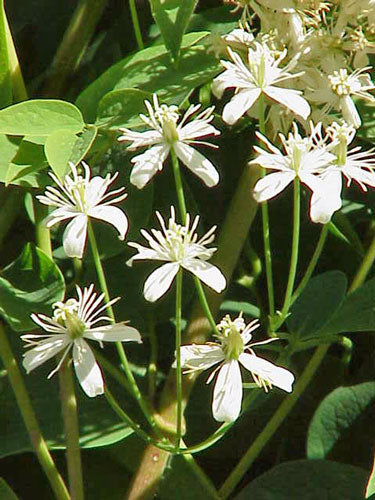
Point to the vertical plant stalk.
(27, 412)
(75, 40)
(266, 225)
(70, 416)
(232, 237)
(67, 393)
(178, 357)
(294, 256)
(135, 21)
(364, 268)
(312, 263)
(120, 349)
(18, 85)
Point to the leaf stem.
(364, 268)
(18, 85)
(266, 225)
(70, 416)
(29, 418)
(120, 349)
(294, 256)
(75, 40)
(312, 263)
(135, 21)
(178, 357)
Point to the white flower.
(303, 158)
(234, 349)
(167, 134)
(353, 164)
(79, 198)
(72, 323)
(179, 246)
(336, 90)
(260, 75)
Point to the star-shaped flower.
(73, 322)
(166, 134)
(79, 198)
(234, 349)
(304, 158)
(178, 246)
(261, 75)
(353, 164)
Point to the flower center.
(176, 237)
(296, 146)
(342, 134)
(77, 190)
(257, 64)
(66, 315)
(167, 117)
(230, 336)
(339, 81)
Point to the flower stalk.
(178, 357)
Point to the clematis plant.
(72, 322)
(79, 198)
(169, 134)
(178, 245)
(232, 350)
(261, 75)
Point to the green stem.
(179, 186)
(364, 268)
(273, 424)
(18, 85)
(178, 357)
(135, 21)
(204, 303)
(312, 263)
(133, 425)
(294, 256)
(76, 38)
(67, 394)
(29, 419)
(120, 349)
(210, 491)
(70, 417)
(265, 223)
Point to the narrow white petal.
(239, 104)
(86, 368)
(45, 349)
(226, 403)
(272, 184)
(59, 215)
(119, 332)
(200, 357)
(160, 281)
(95, 190)
(275, 375)
(147, 164)
(291, 99)
(206, 272)
(197, 163)
(112, 215)
(349, 111)
(74, 237)
(326, 197)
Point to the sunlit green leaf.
(40, 117)
(27, 167)
(5, 79)
(59, 148)
(6, 493)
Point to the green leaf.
(172, 17)
(98, 423)
(5, 78)
(6, 493)
(341, 410)
(32, 283)
(321, 297)
(150, 70)
(83, 144)
(40, 117)
(121, 108)
(8, 149)
(27, 166)
(357, 313)
(307, 480)
(370, 488)
(58, 149)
